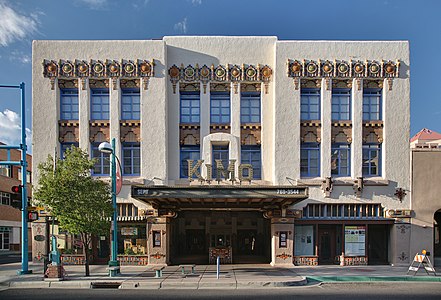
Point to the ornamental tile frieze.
(339, 69)
(98, 69)
(228, 73)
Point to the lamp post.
(114, 268)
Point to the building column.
(158, 241)
(235, 110)
(115, 104)
(282, 245)
(84, 113)
(357, 128)
(326, 127)
(204, 112)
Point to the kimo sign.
(228, 173)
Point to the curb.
(348, 279)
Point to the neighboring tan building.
(10, 217)
(309, 130)
(426, 191)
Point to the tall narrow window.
(340, 159)
(250, 107)
(341, 104)
(102, 163)
(99, 104)
(372, 104)
(69, 104)
(220, 107)
(130, 104)
(188, 152)
(6, 171)
(371, 159)
(310, 160)
(220, 152)
(310, 104)
(251, 155)
(190, 107)
(131, 159)
(64, 147)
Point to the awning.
(220, 196)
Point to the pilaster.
(357, 128)
(326, 127)
(84, 113)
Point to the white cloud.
(15, 26)
(10, 129)
(196, 2)
(181, 26)
(95, 4)
(20, 57)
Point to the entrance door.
(326, 239)
(377, 243)
(246, 242)
(195, 241)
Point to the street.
(359, 291)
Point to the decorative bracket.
(400, 193)
(358, 186)
(327, 186)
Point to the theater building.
(253, 149)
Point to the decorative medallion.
(358, 69)
(220, 74)
(82, 68)
(343, 69)
(189, 73)
(66, 69)
(98, 69)
(251, 74)
(129, 69)
(327, 68)
(113, 68)
(235, 73)
(311, 69)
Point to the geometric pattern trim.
(343, 69)
(107, 68)
(220, 73)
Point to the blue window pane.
(131, 158)
(340, 159)
(310, 160)
(100, 104)
(371, 160)
(310, 104)
(372, 99)
(130, 99)
(220, 152)
(341, 104)
(68, 104)
(252, 155)
(102, 161)
(188, 152)
(189, 107)
(250, 107)
(219, 107)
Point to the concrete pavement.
(250, 276)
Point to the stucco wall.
(426, 196)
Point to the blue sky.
(418, 21)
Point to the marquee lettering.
(221, 172)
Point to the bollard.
(217, 267)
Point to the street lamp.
(114, 268)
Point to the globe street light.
(114, 268)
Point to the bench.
(187, 266)
(158, 271)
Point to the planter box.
(133, 260)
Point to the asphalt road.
(359, 291)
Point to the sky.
(22, 21)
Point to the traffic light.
(16, 196)
(32, 216)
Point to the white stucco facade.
(281, 129)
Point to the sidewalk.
(231, 276)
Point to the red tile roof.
(426, 134)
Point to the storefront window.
(135, 239)
(304, 240)
(355, 240)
